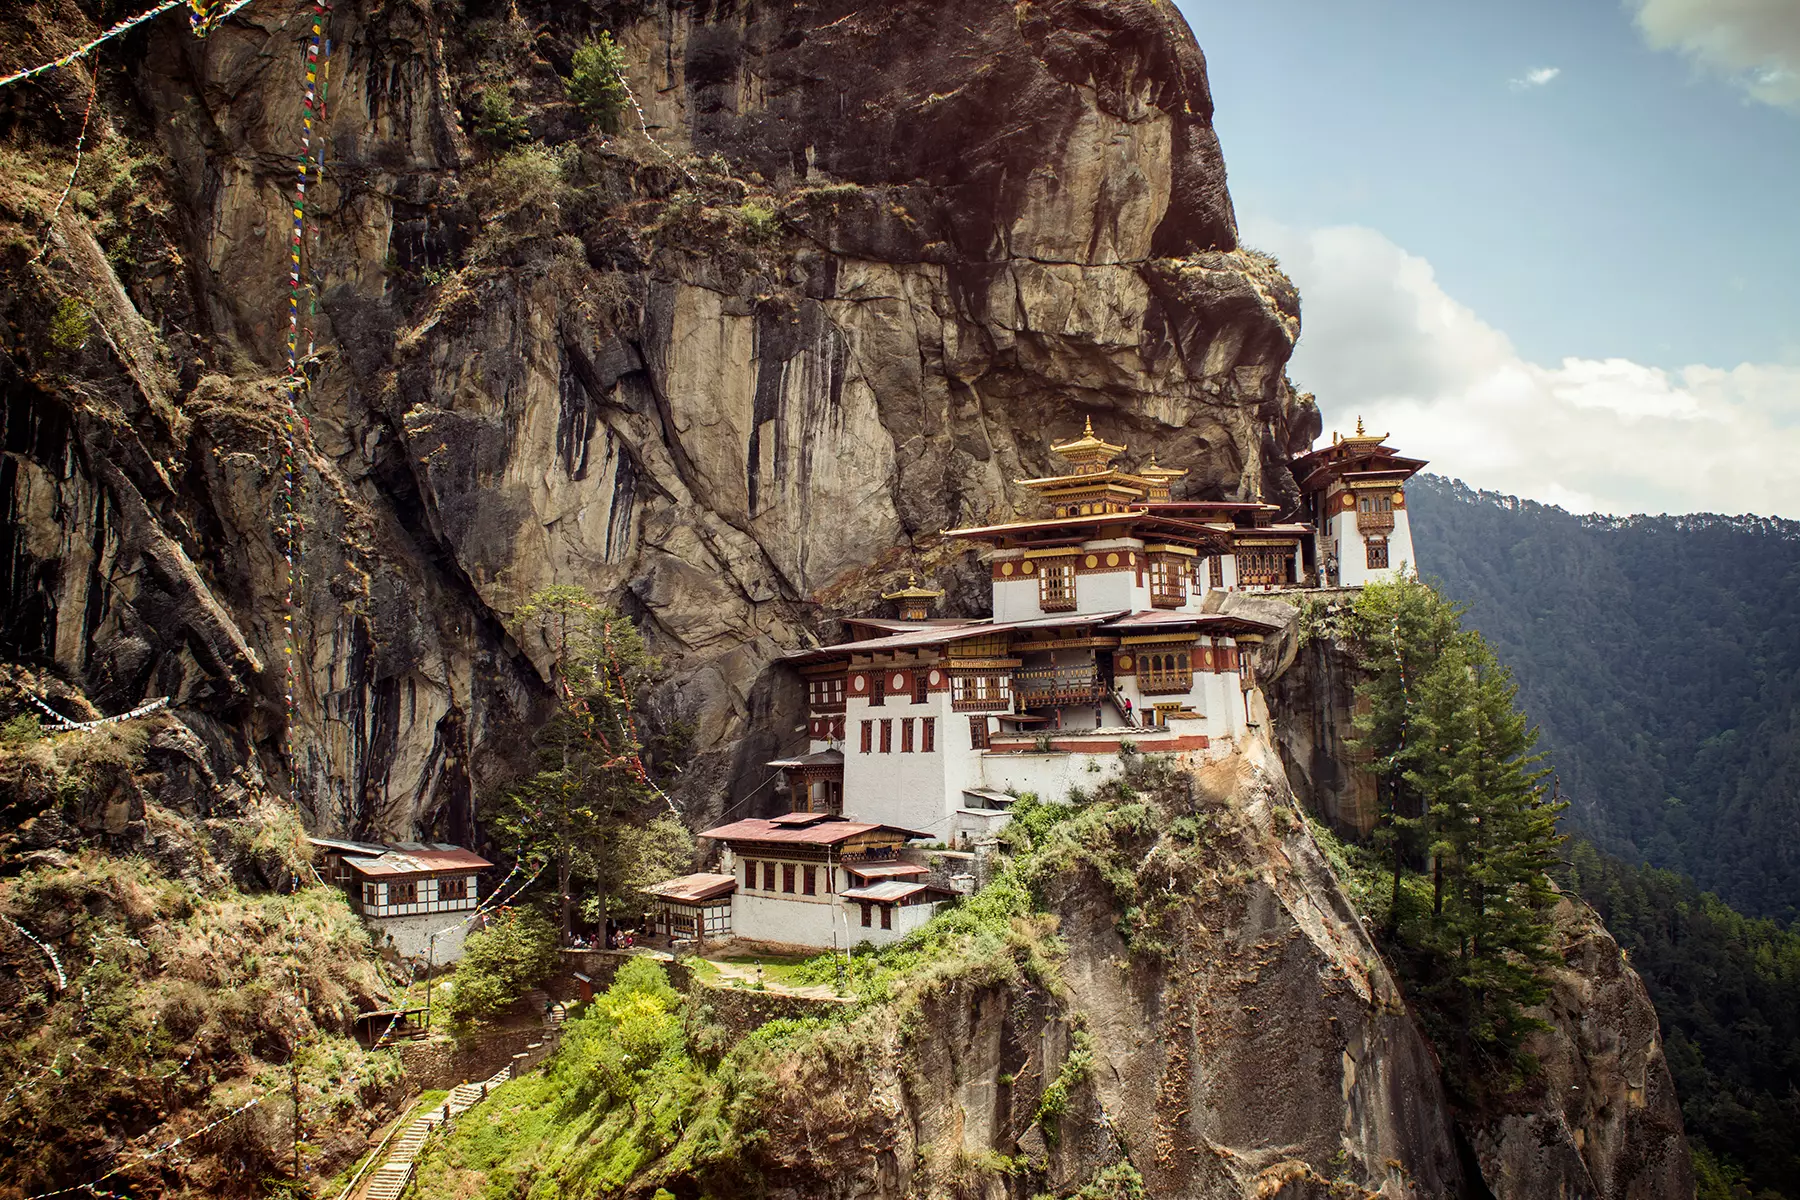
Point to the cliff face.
(852, 271)
(1602, 1119)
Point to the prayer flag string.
(87, 117)
(295, 426)
(204, 16)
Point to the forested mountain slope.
(1662, 657)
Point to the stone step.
(389, 1181)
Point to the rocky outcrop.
(1605, 1121)
(841, 282)
(1219, 1022)
(1602, 1119)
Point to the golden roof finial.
(1088, 429)
(1359, 428)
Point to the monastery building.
(1101, 640)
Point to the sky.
(1552, 247)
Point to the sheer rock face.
(1603, 1119)
(990, 228)
(1607, 1122)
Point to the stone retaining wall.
(442, 1063)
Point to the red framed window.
(768, 877)
(978, 733)
(887, 916)
(928, 735)
(921, 687)
(887, 735)
(749, 873)
(906, 735)
(868, 736)
(787, 877)
(877, 687)
(809, 883)
(866, 914)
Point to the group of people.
(616, 939)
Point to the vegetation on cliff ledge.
(649, 1089)
(1468, 834)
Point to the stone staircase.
(392, 1178)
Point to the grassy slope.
(186, 995)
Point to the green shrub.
(758, 222)
(597, 82)
(1121, 1181)
(529, 177)
(70, 325)
(494, 122)
(500, 964)
(22, 730)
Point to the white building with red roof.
(1110, 633)
(417, 896)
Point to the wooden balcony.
(982, 704)
(1042, 687)
(1374, 522)
(1057, 603)
(1165, 683)
(1170, 597)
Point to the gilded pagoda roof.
(1088, 448)
(912, 591)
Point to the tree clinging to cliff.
(1465, 819)
(590, 776)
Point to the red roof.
(1217, 623)
(420, 860)
(886, 870)
(1144, 513)
(980, 627)
(820, 833)
(691, 889)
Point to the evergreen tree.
(1464, 805)
(1403, 628)
(1498, 919)
(591, 776)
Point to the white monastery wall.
(411, 936)
(426, 897)
(1047, 775)
(1017, 599)
(823, 921)
(906, 919)
(1353, 570)
(905, 788)
(803, 920)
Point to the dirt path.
(731, 974)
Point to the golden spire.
(1359, 426)
(915, 601)
(1088, 454)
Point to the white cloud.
(1754, 43)
(1383, 341)
(1536, 77)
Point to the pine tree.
(591, 775)
(1403, 627)
(1503, 924)
(1462, 785)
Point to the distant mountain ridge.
(1661, 656)
(1701, 522)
